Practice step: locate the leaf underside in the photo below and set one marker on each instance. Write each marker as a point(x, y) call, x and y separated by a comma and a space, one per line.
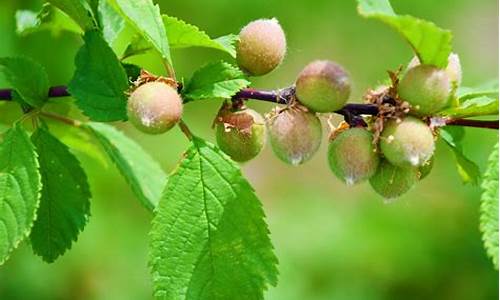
point(431, 44)
point(141, 172)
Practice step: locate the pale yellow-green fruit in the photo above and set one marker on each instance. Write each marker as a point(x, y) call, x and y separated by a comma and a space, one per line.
point(407, 143)
point(454, 68)
point(352, 156)
point(154, 107)
point(323, 86)
point(241, 134)
point(295, 135)
point(262, 47)
point(426, 88)
point(391, 181)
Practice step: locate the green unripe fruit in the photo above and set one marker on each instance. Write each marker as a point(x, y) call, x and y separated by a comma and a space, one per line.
point(262, 47)
point(391, 181)
point(407, 143)
point(454, 68)
point(426, 168)
point(241, 134)
point(351, 155)
point(426, 88)
point(154, 107)
point(295, 135)
point(323, 86)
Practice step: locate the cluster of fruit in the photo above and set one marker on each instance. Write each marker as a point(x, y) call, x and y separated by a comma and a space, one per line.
point(393, 156)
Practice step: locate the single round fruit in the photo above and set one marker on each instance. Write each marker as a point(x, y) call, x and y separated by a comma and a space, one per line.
point(241, 134)
point(262, 47)
point(426, 168)
point(154, 107)
point(351, 155)
point(323, 86)
point(454, 68)
point(426, 88)
point(406, 143)
point(295, 135)
point(391, 181)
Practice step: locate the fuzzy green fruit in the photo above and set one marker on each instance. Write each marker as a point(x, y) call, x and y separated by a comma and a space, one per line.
point(391, 181)
point(295, 135)
point(352, 156)
point(323, 86)
point(154, 107)
point(262, 47)
point(241, 134)
point(406, 143)
point(426, 88)
point(426, 168)
point(454, 68)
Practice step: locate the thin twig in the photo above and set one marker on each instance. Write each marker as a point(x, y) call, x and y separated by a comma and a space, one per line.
point(62, 119)
point(185, 130)
point(283, 96)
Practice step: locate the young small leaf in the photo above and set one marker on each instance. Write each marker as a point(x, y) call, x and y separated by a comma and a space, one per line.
point(145, 17)
point(28, 78)
point(431, 43)
point(208, 238)
point(467, 169)
point(79, 10)
point(100, 82)
point(182, 35)
point(49, 18)
point(489, 207)
point(215, 80)
point(141, 172)
point(64, 205)
point(19, 189)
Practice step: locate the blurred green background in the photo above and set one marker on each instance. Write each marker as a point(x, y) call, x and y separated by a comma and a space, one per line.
point(333, 241)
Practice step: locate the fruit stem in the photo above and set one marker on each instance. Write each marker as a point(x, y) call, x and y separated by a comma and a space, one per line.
point(185, 129)
point(285, 96)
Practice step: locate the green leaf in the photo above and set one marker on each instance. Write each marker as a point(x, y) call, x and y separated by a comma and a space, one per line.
point(133, 71)
point(79, 10)
point(489, 207)
point(145, 17)
point(481, 106)
point(81, 142)
point(467, 169)
point(487, 89)
point(215, 80)
point(141, 172)
point(431, 44)
point(209, 239)
point(19, 189)
point(64, 205)
point(100, 82)
point(138, 45)
point(183, 35)
point(49, 18)
point(111, 22)
point(28, 78)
